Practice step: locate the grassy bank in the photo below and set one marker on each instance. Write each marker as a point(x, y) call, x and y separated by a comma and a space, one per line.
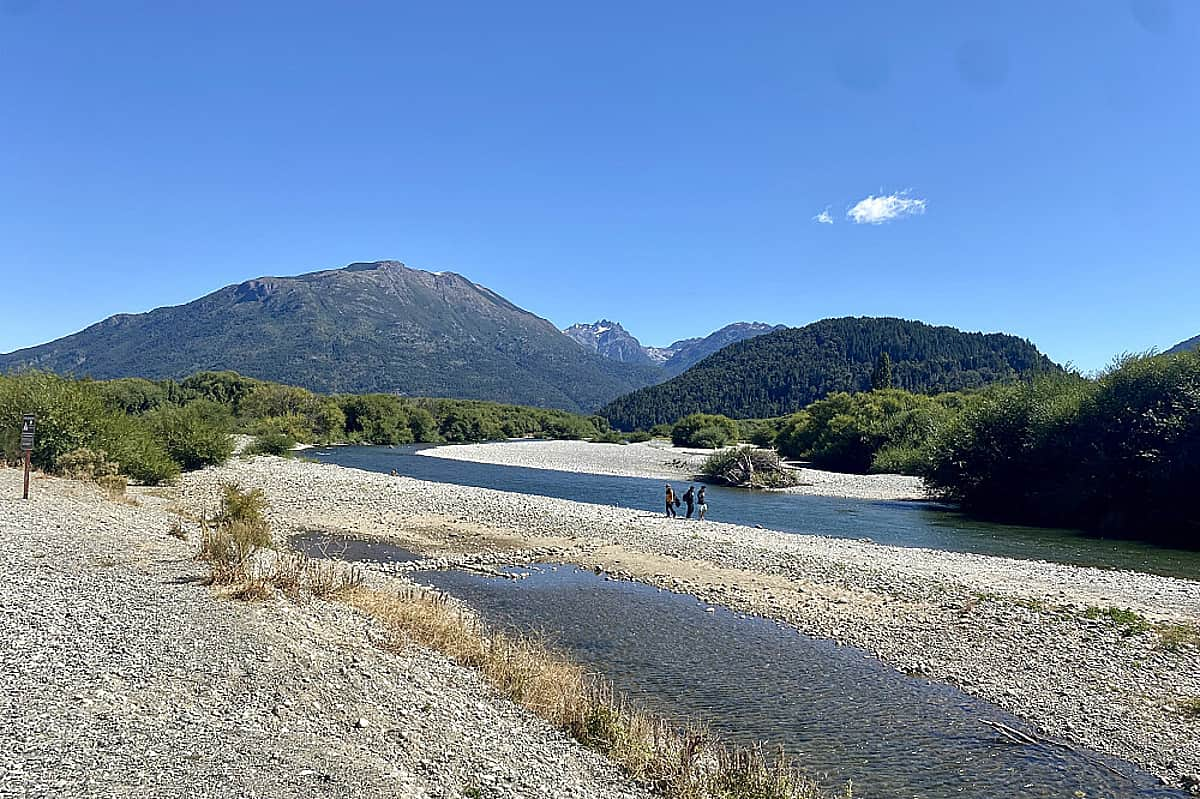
point(678, 762)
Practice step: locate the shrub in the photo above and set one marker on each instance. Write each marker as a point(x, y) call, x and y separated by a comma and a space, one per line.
point(133, 395)
point(231, 538)
point(705, 430)
point(610, 437)
point(748, 467)
point(114, 484)
point(638, 437)
point(196, 435)
point(271, 444)
point(847, 432)
point(900, 459)
point(71, 415)
point(661, 430)
point(86, 464)
point(310, 418)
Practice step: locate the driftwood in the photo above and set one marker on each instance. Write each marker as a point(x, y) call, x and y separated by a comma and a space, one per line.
point(1016, 736)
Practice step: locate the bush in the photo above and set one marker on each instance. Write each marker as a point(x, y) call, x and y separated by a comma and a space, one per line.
point(73, 415)
point(847, 432)
point(310, 418)
point(86, 464)
point(610, 437)
point(271, 444)
point(132, 395)
point(231, 538)
point(749, 467)
point(194, 436)
point(1120, 454)
point(661, 430)
point(704, 430)
point(900, 459)
point(638, 437)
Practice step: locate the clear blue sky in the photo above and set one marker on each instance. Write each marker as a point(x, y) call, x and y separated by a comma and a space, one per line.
point(663, 164)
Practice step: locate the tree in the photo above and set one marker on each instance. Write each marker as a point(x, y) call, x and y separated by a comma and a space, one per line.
point(881, 377)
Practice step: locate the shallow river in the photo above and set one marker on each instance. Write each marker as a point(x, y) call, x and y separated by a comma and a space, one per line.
point(843, 714)
point(912, 524)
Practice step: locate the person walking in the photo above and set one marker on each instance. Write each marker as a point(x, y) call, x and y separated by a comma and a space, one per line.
point(689, 499)
point(703, 504)
point(671, 501)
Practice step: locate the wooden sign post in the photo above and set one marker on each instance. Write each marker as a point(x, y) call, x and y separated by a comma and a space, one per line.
point(28, 425)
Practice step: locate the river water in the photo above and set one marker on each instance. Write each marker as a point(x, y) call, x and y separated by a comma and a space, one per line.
point(844, 715)
point(911, 524)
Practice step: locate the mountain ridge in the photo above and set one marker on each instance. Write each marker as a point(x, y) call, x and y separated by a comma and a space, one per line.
point(369, 326)
point(610, 339)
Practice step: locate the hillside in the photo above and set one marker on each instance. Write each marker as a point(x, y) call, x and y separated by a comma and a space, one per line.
point(368, 327)
point(781, 372)
point(688, 352)
point(1184, 346)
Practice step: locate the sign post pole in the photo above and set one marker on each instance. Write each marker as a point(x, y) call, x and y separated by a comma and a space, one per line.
point(28, 424)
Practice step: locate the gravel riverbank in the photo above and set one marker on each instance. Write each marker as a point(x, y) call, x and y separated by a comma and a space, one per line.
point(1014, 632)
point(122, 675)
point(659, 460)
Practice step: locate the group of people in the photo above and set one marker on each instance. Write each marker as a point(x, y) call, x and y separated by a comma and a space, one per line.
point(690, 498)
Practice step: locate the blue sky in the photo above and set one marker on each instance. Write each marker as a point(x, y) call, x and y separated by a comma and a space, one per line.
point(663, 164)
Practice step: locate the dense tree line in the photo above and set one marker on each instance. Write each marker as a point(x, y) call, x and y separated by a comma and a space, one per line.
point(1118, 454)
point(782, 372)
point(150, 430)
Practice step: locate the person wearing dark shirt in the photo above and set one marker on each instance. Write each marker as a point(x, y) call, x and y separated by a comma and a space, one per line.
point(703, 503)
point(689, 498)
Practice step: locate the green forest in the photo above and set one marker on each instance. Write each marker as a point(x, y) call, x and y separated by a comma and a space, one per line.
point(782, 372)
point(149, 431)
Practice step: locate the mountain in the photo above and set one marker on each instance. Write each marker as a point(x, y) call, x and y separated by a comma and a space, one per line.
point(781, 372)
point(612, 341)
point(691, 351)
point(368, 327)
point(1184, 346)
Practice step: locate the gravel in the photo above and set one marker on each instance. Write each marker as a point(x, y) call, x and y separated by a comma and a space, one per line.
point(122, 675)
point(1010, 631)
point(659, 460)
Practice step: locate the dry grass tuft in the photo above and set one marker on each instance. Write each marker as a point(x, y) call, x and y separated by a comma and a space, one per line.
point(235, 535)
point(681, 763)
point(234, 541)
point(1178, 637)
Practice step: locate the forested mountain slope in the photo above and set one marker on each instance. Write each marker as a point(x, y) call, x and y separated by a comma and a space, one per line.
point(783, 371)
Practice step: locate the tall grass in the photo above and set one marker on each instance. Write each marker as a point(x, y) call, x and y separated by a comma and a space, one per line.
point(685, 762)
point(234, 543)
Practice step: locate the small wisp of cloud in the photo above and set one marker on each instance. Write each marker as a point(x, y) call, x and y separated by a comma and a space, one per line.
point(824, 218)
point(872, 210)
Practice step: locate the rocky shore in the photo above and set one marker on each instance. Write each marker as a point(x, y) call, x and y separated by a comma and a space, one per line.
point(1029, 636)
point(122, 675)
point(659, 460)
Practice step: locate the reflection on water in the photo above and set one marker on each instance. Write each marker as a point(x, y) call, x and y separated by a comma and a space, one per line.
point(843, 714)
point(911, 524)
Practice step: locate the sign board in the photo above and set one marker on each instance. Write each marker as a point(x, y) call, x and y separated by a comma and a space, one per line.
point(28, 425)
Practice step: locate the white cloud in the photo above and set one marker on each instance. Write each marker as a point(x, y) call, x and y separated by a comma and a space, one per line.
point(825, 218)
point(874, 210)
